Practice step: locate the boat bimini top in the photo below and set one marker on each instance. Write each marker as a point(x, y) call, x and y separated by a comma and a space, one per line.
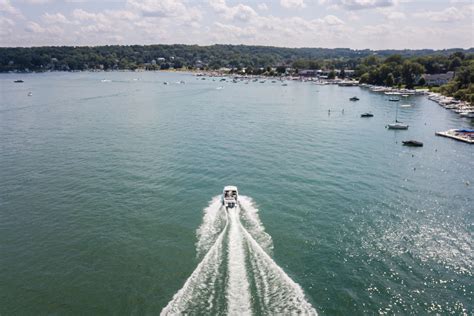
point(229, 196)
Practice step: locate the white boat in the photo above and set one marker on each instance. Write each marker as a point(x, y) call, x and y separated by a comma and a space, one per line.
point(230, 196)
point(397, 125)
point(405, 105)
point(30, 94)
point(469, 114)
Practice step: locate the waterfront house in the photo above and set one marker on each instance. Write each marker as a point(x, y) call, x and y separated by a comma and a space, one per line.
point(307, 73)
point(438, 79)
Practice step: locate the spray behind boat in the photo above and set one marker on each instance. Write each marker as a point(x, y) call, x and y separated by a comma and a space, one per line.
point(230, 196)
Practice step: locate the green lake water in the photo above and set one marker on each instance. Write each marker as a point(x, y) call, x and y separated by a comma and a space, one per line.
point(108, 185)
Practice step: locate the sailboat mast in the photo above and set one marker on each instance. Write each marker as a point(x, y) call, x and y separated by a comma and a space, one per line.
point(396, 114)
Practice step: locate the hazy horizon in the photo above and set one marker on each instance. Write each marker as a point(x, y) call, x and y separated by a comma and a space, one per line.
point(355, 24)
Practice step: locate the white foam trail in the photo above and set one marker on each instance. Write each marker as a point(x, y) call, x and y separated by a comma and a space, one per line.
point(249, 214)
point(277, 291)
point(244, 266)
point(202, 281)
point(212, 224)
point(238, 291)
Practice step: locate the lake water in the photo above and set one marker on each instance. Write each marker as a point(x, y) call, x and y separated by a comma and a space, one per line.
point(108, 184)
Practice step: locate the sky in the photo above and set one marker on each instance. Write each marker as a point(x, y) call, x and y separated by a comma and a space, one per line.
point(357, 24)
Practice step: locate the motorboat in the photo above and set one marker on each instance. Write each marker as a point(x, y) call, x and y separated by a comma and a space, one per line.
point(18, 81)
point(229, 196)
point(354, 99)
point(30, 94)
point(394, 99)
point(412, 143)
point(397, 125)
point(366, 115)
point(405, 105)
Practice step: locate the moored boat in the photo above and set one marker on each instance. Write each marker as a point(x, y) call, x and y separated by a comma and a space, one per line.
point(354, 99)
point(367, 115)
point(412, 143)
point(397, 125)
point(469, 114)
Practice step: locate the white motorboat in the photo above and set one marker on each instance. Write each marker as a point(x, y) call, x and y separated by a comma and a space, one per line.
point(230, 196)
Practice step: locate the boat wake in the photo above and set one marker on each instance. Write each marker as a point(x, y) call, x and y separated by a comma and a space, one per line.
point(236, 275)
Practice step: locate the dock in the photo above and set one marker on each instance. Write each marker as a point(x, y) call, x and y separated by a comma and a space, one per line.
point(463, 135)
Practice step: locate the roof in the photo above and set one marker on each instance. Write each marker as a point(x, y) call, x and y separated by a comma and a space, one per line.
point(446, 76)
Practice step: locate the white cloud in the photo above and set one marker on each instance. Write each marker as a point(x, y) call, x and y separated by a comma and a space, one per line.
point(239, 12)
point(332, 23)
point(56, 18)
point(262, 7)
point(158, 8)
point(6, 26)
point(332, 20)
point(359, 4)
point(292, 4)
point(450, 14)
point(394, 15)
point(7, 7)
point(34, 27)
point(37, 1)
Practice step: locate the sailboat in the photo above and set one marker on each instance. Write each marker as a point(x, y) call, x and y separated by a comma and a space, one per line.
point(397, 124)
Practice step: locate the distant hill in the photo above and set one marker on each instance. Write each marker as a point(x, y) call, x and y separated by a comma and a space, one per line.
point(151, 57)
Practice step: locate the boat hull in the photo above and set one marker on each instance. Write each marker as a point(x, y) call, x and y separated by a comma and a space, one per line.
point(397, 126)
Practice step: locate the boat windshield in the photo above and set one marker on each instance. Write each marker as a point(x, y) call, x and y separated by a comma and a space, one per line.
point(230, 194)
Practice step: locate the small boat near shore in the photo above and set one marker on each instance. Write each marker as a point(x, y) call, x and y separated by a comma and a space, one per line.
point(354, 99)
point(394, 99)
point(405, 105)
point(18, 81)
point(468, 114)
point(412, 143)
point(367, 115)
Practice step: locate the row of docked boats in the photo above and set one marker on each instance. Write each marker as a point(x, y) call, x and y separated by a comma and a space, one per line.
point(464, 109)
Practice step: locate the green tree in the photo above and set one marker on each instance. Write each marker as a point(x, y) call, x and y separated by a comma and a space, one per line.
point(342, 74)
point(410, 71)
point(390, 80)
point(364, 78)
point(455, 63)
